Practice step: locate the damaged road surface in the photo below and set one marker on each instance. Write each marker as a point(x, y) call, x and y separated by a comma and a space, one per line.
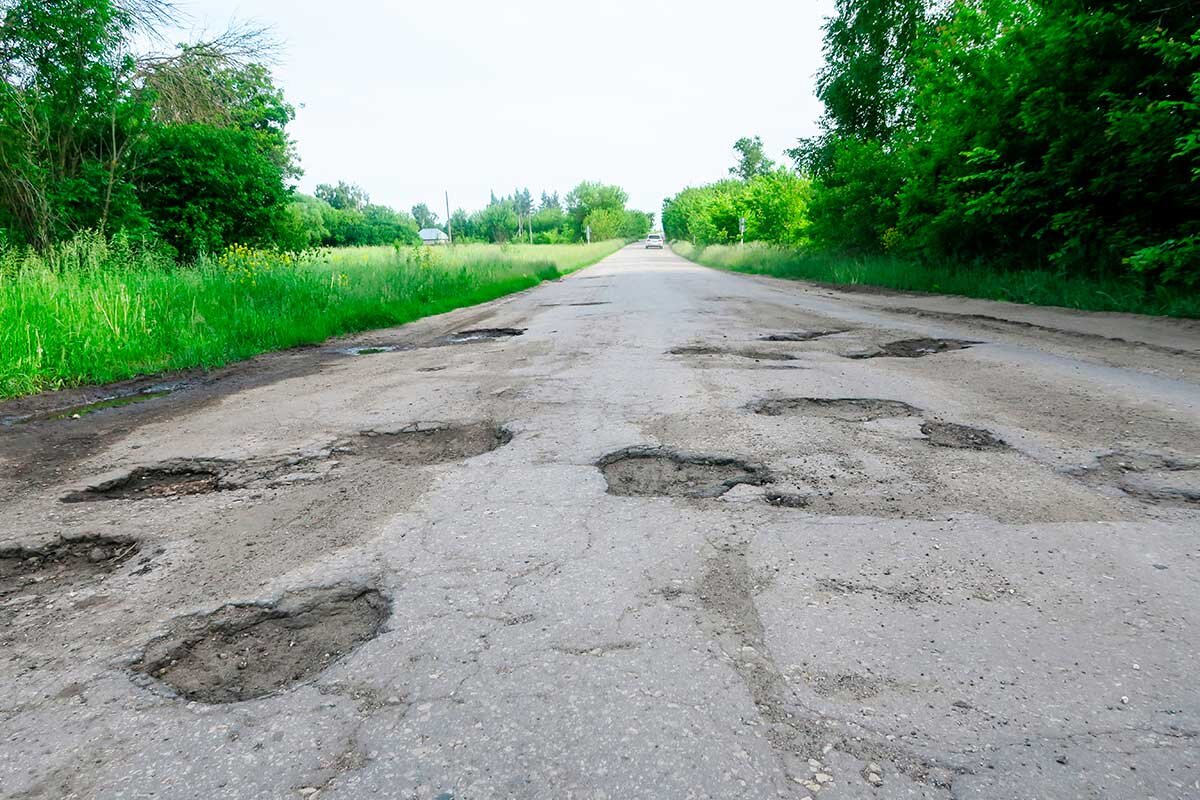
point(578, 543)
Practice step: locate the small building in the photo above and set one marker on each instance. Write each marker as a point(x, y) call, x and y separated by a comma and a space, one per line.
point(433, 236)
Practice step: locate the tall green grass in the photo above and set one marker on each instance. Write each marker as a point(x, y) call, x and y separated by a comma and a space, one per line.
point(91, 311)
point(1035, 287)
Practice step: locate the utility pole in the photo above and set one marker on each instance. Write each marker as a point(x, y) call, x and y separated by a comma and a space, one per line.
point(449, 219)
point(588, 230)
point(742, 232)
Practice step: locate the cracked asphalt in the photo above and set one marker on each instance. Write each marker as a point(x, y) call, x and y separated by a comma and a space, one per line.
point(986, 587)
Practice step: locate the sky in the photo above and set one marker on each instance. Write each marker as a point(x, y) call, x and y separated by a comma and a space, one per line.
point(477, 96)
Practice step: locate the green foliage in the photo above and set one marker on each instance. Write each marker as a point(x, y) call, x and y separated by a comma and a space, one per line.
point(94, 309)
point(588, 199)
point(424, 217)
point(1021, 134)
point(774, 205)
point(208, 187)
point(1040, 287)
point(751, 159)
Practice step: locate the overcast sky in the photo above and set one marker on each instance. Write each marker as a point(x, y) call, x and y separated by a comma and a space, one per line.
point(480, 95)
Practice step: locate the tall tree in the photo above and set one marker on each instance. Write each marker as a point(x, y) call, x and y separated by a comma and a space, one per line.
point(424, 217)
point(751, 159)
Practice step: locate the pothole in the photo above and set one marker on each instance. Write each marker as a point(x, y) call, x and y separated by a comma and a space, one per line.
point(705, 350)
point(963, 437)
point(479, 335)
point(915, 348)
point(37, 571)
point(1151, 477)
point(657, 471)
point(170, 479)
point(797, 336)
point(852, 409)
point(372, 349)
point(432, 442)
point(244, 651)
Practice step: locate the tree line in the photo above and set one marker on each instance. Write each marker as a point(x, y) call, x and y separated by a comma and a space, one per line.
point(1016, 134)
point(188, 148)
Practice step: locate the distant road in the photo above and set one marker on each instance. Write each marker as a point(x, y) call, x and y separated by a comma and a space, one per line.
point(651, 531)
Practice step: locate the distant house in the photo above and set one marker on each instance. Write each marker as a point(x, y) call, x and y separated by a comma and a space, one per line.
point(433, 236)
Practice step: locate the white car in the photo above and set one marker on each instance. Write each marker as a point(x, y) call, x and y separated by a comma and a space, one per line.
point(654, 240)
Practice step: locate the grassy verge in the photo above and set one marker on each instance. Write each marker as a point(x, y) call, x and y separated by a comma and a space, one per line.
point(93, 312)
point(1034, 287)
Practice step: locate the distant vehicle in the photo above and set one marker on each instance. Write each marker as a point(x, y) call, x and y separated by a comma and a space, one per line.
point(654, 240)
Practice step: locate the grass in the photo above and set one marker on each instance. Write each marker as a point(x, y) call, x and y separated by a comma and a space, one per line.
point(90, 311)
point(1034, 287)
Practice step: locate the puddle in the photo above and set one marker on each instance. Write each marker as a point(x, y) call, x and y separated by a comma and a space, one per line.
point(368, 350)
point(83, 409)
point(171, 479)
point(479, 335)
point(243, 651)
point(703, 350)
point(62, 565)
point(963, 437)
point(915, 348)
point(432, 442)
point(656, 471)
point(851, 409)
point(797, 336)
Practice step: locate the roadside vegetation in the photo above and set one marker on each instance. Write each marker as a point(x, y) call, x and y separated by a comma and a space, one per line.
point(1037, 287)
point(149, 218)
point(93, 310)
point(1042, 151)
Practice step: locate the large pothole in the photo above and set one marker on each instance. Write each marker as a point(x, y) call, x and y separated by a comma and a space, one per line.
point(169, 479)
point(242, 651)
point(479, 335)
point(962, 437)
point(1150, 477)
point(658, 471)
point(915, 348)
point(432, 442)
point(852, 409)
point(64, 564)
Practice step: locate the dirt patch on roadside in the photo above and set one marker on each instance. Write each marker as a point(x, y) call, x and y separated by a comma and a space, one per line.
point(432, 442)
point(658, 471)
point(915, 348)
point(61, 565)
point(241, 652)
point(169, 479)
point(705, 350)
point(963, 437)
point(787, 499)
point(798, 336)
point(850, 409)
point(479, 335)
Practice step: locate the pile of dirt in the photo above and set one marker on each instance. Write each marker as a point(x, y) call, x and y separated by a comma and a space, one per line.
point(851, 409)
point(915, 348)
point(64, 564)
point(169, 479)
point(240, 652)
point(963, 437)
point(432, 442)
point(658, 471)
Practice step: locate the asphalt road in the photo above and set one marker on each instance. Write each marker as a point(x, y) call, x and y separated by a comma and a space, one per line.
point(632, 552)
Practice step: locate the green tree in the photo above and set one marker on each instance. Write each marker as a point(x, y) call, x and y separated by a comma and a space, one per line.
point(424, 217)
point(586, 199)
point(751, 159)
point(343, 196)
